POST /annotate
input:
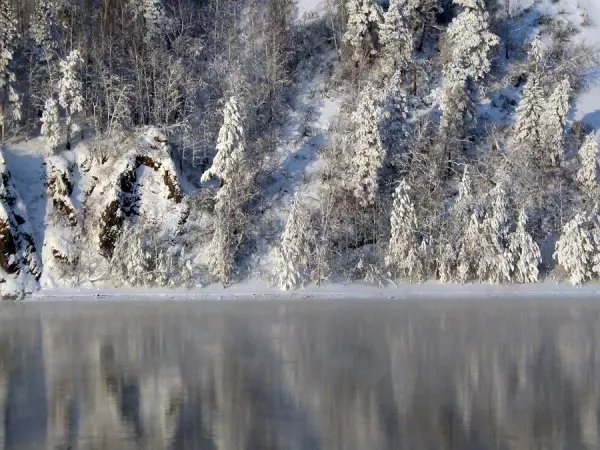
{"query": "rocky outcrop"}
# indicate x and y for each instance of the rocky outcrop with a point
(20, 267)
(142, 183)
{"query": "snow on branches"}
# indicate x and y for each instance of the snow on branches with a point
(364, 18)
(292, 256)
(230, 145)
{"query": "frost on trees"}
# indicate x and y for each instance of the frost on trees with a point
(553, 120)
(525, 251)
(70, 94)
(496, 264)
(230, 145)
(396, 34)
(484, 253)
(460, 216)
(529, 112)
(51, 125)
(587, 173)
(228, 219)
(393, 128)
(364, 19)
(43, 26)
(10, 103)
(154, 16)
(369, 153)
(291, 258)
(403, 254)
(577, 249)
(470, 42)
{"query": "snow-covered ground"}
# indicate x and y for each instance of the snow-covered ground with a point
(257, 290)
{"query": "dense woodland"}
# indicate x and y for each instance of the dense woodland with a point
(452, 157)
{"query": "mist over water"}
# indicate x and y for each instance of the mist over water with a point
(313, 375)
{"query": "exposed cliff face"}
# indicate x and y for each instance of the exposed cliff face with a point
(20, 266)
(93, 196)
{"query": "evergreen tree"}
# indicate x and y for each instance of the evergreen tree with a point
(587, 174)
(525, 251)
(44, 28)
(70, 93)
(393, 123)
(529, 114)
(10, 103)
(496, 263)
(230, 145)
(403, 253)
(51, 125)
(364, 19)
(470, 42)
(460, 217)
(553, 120)
(396, 34)
(291, 258)
(369, 153)
(577, 248)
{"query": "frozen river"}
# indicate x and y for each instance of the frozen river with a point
(300, 375)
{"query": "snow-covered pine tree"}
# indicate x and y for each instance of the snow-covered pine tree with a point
(230, 145)
(10, 103)
(396, 33)
(536, 55)
(577, 248)
(364, 19)
(468, 257)
(525, 251)
(369, 153)
(291, 258)
(70, 93)
(51, 125)
(460, 217)
(43, 26)
(393, 127)
(155, 18)
(529, 112)
(470, 41)
(496, 263)
(553, 120)
(587, 174)
(403, 252)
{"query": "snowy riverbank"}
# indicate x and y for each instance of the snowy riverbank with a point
(259, 291)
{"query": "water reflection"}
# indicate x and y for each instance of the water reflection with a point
(354, 376)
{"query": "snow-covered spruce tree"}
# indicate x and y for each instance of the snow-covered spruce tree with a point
(460, 217)
(155, 18)
(369, 154)
(496, 264)
(70, 93)
(529, 113)
(525, 251)
(470, 42)
(364, 19)
(230, 145)
(44, 27)
(396, 33)
(10, 103)
(577, 249)
(51, 125)
(403, 254)
(292, 256)
(393, 125)
(587, 173)
(553, 120)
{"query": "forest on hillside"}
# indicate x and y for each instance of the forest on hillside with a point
(186, 142)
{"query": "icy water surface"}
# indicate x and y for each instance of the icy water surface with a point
(300, 375)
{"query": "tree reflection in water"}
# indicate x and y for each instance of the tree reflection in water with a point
(353, 376)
